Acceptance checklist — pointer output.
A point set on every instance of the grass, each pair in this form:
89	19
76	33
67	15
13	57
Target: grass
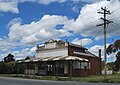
94	79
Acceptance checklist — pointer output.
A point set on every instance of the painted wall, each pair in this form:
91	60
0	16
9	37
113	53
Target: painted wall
66	67
50	45
53	53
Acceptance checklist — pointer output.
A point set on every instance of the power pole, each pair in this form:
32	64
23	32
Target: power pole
105	23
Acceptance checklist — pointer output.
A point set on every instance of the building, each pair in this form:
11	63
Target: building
61	58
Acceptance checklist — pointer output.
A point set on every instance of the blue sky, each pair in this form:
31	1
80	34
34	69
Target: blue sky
26	23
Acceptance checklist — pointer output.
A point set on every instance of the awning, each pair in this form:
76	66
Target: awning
75	58
57	58
69	58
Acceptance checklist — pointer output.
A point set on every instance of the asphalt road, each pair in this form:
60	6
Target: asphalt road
17	81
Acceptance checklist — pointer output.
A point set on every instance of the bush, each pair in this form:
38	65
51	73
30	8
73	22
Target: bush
6	68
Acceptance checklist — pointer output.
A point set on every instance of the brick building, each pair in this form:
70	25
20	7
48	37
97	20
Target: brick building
64	59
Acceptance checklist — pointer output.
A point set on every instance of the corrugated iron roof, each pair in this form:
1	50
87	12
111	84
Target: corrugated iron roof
56	58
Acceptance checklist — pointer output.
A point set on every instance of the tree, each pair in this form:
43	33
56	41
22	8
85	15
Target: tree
117	62
6	68
112	48
9	58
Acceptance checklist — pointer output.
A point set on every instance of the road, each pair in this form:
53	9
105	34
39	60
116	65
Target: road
18	81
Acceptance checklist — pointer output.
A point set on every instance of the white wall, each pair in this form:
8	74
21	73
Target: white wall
108	72
50	45
66	68
53	53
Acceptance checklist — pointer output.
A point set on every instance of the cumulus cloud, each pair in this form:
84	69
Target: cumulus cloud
83	42
41	30
112	57
51	1
22	53
33	49
90	1
44	29
94	50
9	7
86	22
5	44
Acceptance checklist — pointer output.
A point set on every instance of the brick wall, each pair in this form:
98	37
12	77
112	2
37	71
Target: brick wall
95	64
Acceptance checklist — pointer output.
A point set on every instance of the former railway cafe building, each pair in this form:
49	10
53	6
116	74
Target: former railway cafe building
59	58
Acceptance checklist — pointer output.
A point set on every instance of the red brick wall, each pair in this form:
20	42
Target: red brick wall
95	64
80	72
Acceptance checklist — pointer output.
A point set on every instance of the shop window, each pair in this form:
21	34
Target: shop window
84	65
76	64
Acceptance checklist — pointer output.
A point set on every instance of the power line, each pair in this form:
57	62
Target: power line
108	6
106	22
116	24
115	18
116	9
114	34
111	35
95	36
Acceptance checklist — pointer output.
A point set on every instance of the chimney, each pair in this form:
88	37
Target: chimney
100	59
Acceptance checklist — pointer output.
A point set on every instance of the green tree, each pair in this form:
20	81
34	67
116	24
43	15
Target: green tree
6	68
9	58
112	48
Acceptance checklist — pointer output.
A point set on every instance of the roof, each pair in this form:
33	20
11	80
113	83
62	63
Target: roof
80	46
30	57
57	58
90	53
50	41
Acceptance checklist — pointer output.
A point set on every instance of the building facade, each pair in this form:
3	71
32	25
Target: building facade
59	58
64	58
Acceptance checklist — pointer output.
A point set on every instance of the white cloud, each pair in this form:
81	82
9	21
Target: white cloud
33	49
9	7
112	57
83	42
86	22
5	44
44	29
22	53
88	1
51	1
76	8
41	30
19	54
95	49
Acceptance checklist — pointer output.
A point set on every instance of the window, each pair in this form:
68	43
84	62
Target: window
76	64
83	65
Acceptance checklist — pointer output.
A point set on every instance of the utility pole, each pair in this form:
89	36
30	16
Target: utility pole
105	23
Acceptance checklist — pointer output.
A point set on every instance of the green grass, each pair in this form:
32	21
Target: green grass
94	79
